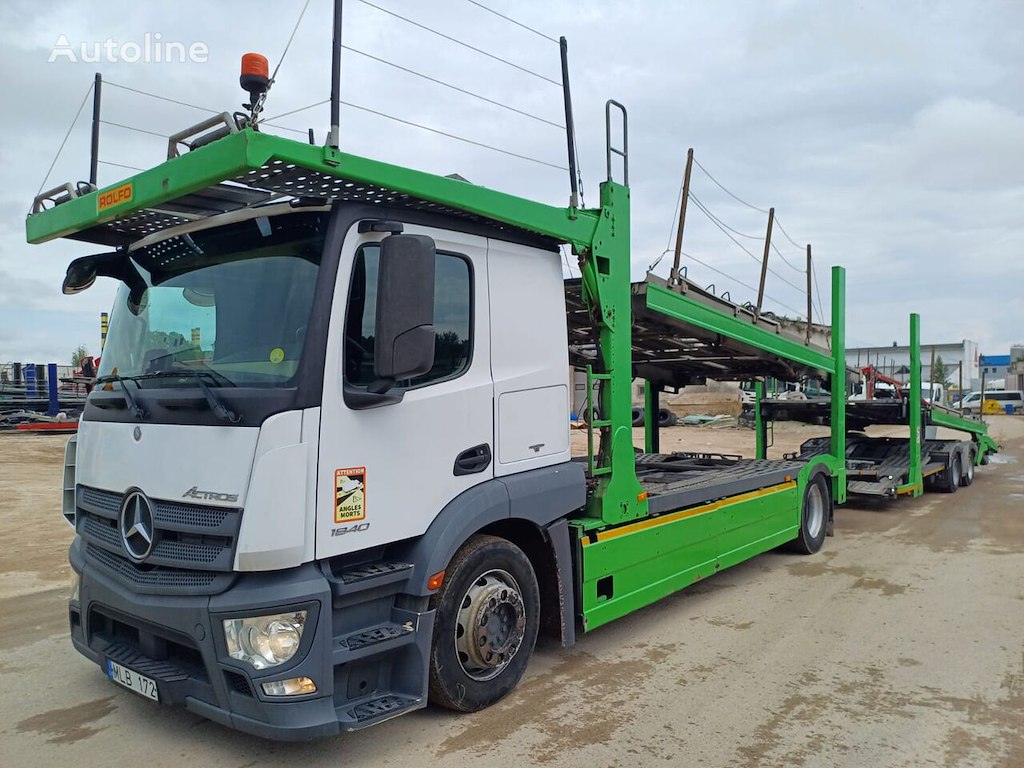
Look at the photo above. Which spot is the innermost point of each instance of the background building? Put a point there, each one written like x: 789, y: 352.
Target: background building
x: 960, y: 359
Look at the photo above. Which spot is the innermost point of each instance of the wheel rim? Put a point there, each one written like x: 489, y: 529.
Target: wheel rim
x: 815, y: 517
x: 490, y: 625
x: 970, y: 469
x: 956, y: 472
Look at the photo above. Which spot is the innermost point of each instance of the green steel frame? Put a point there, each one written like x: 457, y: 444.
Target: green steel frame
x: 976, y: 429
x: 648, y: 556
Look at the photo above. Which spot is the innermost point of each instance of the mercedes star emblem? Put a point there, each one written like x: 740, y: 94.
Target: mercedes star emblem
x: 137, y: 434
x: 136, y: 524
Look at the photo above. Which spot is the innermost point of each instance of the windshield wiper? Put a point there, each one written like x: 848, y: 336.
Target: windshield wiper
x: 137, y: 410
x: 220, y: 410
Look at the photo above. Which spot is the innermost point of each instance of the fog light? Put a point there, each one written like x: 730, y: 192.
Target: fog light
x: 295, y: 686
x: 265, y: 641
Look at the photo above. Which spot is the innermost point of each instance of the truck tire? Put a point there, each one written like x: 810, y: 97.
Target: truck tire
x: 485, y: 624
x: 638, y: 417
x: 815, y: 511
x: 666, y: 418
x: 968, y: 476
x: 950, y: 480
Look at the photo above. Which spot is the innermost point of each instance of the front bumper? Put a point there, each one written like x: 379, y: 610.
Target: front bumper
x: 177, y: 640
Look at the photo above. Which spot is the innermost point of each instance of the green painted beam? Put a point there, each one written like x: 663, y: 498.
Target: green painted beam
x: 652, y: 432
x: 689, y: 310
x: 760, y: 428
x: 607, y: 289
x: 837, y: 446
x: 193, y: 171
x: 246, y: 150
x: 915, y: 405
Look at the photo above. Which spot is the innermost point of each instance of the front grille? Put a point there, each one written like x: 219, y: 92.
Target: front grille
x: 171, y: 513
x: 192, y: 543
x: 158, y: 579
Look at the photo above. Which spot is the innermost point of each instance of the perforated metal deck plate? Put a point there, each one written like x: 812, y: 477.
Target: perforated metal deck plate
x: 276, y: 181
x: 673, y: 353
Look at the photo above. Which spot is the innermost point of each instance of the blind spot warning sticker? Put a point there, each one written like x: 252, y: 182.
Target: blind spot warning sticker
x: 349, y: 494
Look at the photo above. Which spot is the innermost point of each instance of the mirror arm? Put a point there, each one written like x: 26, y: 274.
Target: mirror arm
x: 381, y: 386
x: 359, y: 399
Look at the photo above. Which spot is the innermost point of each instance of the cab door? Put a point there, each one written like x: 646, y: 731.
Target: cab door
x: 385, y: 472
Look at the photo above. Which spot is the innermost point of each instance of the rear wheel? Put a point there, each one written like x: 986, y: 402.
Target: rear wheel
x: 485, y: 624
x: 951, y: 481
x: 814, y: 516
x: 968, y: 476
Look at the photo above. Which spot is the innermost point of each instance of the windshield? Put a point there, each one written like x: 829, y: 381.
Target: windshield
x: 231, y: 303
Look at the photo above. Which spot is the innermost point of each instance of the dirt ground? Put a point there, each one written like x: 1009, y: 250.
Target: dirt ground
x: 901, y: 644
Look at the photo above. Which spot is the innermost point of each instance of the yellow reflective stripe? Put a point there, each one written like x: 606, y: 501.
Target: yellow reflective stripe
x: 672, y: 517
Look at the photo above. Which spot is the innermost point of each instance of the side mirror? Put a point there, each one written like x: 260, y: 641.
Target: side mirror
x: 404, y: 343
x: 81, y: 274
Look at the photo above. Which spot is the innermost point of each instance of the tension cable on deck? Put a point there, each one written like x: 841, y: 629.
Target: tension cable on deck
x: 60, y: 149
x: 475, y: 95
x: 158, y: 96
x: 513, y: 21
x: 462, y: 43
x: 726, y: 231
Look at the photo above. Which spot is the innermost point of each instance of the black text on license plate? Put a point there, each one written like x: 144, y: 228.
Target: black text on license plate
x: 132, y: 680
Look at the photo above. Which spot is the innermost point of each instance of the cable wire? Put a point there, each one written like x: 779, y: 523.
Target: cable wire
x: 517, y: 23
x: 722, y: 187
x: 725, y: 231
x: 739, y: 282
x: 133, y: 128
x: 288, y: 45
x: 161, y: 98
x: 65, y: 140
x: 460, y: 42
x: 784, y: 232
x: 121, y: 165
x: 452, y: 135
x: 294, y: 112
x: 453, y: 87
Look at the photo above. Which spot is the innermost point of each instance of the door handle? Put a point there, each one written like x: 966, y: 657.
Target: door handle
x: 473, y: 460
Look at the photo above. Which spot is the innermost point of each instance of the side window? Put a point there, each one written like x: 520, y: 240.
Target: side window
x: 453, y: 301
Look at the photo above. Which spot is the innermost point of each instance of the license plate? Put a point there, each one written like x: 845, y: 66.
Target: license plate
x: 132, y: 680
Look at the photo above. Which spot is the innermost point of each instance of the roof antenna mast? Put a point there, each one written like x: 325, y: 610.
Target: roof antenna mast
x: 332, y: 137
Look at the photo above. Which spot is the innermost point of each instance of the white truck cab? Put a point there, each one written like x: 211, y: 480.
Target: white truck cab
x: 240, y: 373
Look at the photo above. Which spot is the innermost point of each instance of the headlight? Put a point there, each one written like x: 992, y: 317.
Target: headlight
x: 265, y: 641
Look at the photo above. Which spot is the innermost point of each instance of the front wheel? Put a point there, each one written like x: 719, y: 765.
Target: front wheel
x: 814, y: 515
x: 485, y: 624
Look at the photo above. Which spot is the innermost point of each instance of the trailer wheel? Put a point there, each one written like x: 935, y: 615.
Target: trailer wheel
x: 485, y: 624
x: 968, y: 476
x: 638, y: 417
x: 814, y: 516
x: 951, y: 477
x: 666, y: 418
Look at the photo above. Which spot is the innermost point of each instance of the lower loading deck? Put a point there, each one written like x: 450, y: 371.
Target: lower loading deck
x: 678, y: 480
x: 881, y: 466
x: 707, y: 513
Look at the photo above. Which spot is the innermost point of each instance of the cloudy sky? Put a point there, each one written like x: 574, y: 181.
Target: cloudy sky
x: 888, y: 135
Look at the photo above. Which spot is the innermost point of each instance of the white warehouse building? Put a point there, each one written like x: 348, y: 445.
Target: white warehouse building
x: 958, y: 358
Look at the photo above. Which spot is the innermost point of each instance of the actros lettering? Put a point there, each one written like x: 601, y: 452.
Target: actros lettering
x: 195, y: 493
